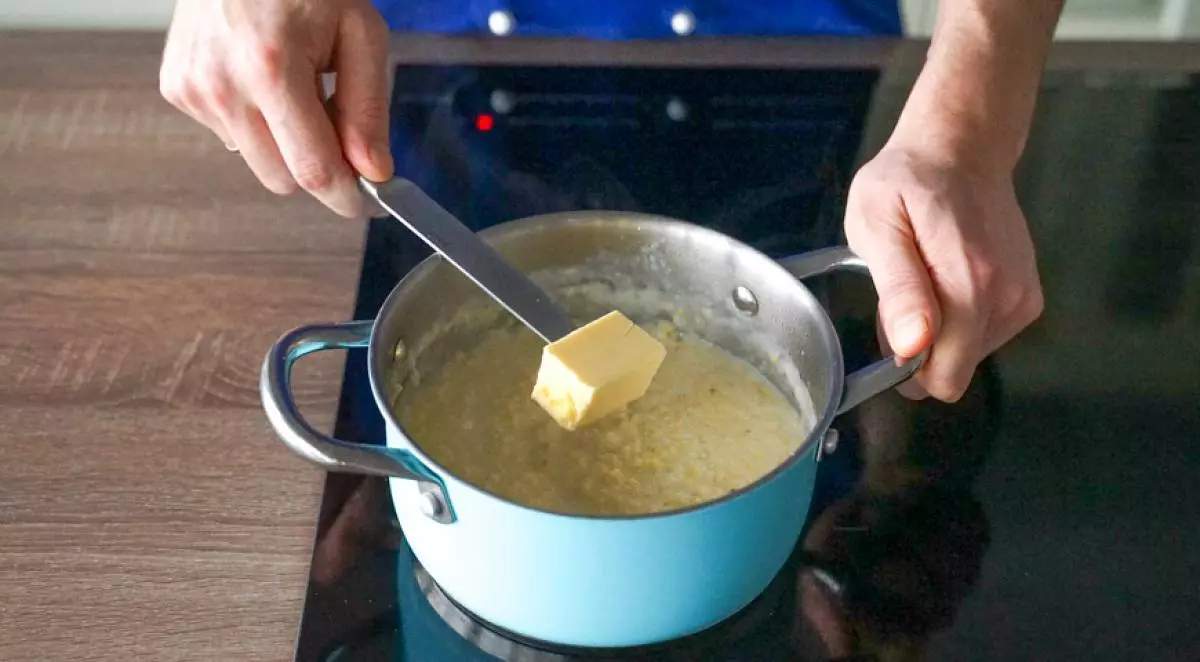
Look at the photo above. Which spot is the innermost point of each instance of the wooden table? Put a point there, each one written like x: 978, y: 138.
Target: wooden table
x: 147, y: 511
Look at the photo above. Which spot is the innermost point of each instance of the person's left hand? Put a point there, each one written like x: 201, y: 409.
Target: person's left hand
x: 950, y: 254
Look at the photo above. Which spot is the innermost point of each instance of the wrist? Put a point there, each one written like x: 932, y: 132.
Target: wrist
x: 974, y: 100
x: 951, y: 119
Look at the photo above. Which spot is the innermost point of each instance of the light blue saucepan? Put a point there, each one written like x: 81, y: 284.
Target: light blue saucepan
x: 591, y: 581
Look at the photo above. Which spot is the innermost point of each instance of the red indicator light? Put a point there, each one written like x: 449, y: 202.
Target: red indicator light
x: 485, y: 122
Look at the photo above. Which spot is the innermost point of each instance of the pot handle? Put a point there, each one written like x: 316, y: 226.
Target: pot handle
x: 275, y: 387
x: 868, y: 382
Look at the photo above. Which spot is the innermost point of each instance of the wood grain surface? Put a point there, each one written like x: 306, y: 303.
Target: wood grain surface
x: 147, y: 512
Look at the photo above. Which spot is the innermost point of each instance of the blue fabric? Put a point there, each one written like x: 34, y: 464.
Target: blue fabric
x: 648, y: 19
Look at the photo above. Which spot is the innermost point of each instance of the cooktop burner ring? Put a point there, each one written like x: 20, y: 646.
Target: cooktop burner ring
x: 510, y: 646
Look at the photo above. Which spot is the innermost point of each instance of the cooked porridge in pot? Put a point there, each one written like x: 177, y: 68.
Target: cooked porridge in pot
x: 709, y: 424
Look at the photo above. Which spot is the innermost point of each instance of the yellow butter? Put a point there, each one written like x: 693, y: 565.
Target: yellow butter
x: 596, y: 370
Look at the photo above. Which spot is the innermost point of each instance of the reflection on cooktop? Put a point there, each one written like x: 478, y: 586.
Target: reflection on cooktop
x: 509, y: 646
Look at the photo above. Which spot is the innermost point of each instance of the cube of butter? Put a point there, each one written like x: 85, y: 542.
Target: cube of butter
x: 596, y: 370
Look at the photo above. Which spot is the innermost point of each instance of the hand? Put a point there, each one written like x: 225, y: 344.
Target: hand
x: 951, y: 257
x: 250, y: 71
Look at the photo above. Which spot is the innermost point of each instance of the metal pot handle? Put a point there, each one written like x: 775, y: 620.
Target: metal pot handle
x: 865, y: 383
x: 275, y: 387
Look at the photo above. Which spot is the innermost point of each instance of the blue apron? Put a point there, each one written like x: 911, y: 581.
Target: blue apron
x: 647, y: 19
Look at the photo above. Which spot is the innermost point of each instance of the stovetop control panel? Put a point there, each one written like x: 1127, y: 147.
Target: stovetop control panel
x: 761, y: 155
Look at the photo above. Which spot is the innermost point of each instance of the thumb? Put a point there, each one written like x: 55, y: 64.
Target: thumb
x: 361, y: 100
x: 908, y: 307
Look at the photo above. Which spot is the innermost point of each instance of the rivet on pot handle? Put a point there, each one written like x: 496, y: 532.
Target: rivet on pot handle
x: 334, y: 454
x: 866, y: 383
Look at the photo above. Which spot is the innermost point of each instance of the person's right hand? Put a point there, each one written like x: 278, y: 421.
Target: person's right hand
x: 250, y: 71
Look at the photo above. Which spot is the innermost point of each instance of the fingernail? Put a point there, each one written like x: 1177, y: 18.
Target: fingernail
x: 908, y: 334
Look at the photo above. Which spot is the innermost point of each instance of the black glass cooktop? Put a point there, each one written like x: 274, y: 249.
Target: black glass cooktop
x: 1051, y: 514
x: 369, y: 600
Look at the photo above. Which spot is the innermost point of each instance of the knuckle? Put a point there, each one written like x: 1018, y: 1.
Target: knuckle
x: 1011, y: 299
x: 312, y: 175
x: 264, y: 62
x: 979, y: 286
x: 867, y: 177
x: 190, y: 95
x: 221, y: 99
x: 985, y: 277
x: 859, y: 193
x: 1020, y: 303
x: 214, y: 88
x: 177, y: 89
x: 865, y: 194
x: 169, y: 88
x: 873, y: 217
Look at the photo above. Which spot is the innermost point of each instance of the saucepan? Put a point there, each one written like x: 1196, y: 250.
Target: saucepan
x: 587, y: 580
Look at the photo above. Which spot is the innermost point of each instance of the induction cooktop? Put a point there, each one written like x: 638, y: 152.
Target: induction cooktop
x: 895, y: 536
x: 894, y: 540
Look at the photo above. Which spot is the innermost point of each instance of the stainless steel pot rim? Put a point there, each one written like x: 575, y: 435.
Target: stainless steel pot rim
x: 378, y: 357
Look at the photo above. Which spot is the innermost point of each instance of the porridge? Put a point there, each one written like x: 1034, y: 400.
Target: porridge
x: 709, y: 424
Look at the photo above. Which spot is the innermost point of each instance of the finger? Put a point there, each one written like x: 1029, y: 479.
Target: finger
x: 953, y: 358
x: 240, y: 126
x: 188, y: 96
x: 214, y: 124
x: 307, y: 141
x: 257, y: 146
x: 913, y: 390
x: 908, y: 307
x: 910, y: 388
x: 193, y: 107
x: 361, y: 99
x: 951, y: 363
x: 1025, y: 310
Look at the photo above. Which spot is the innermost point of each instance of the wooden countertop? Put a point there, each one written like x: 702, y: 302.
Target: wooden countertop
x: 147, y: 511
